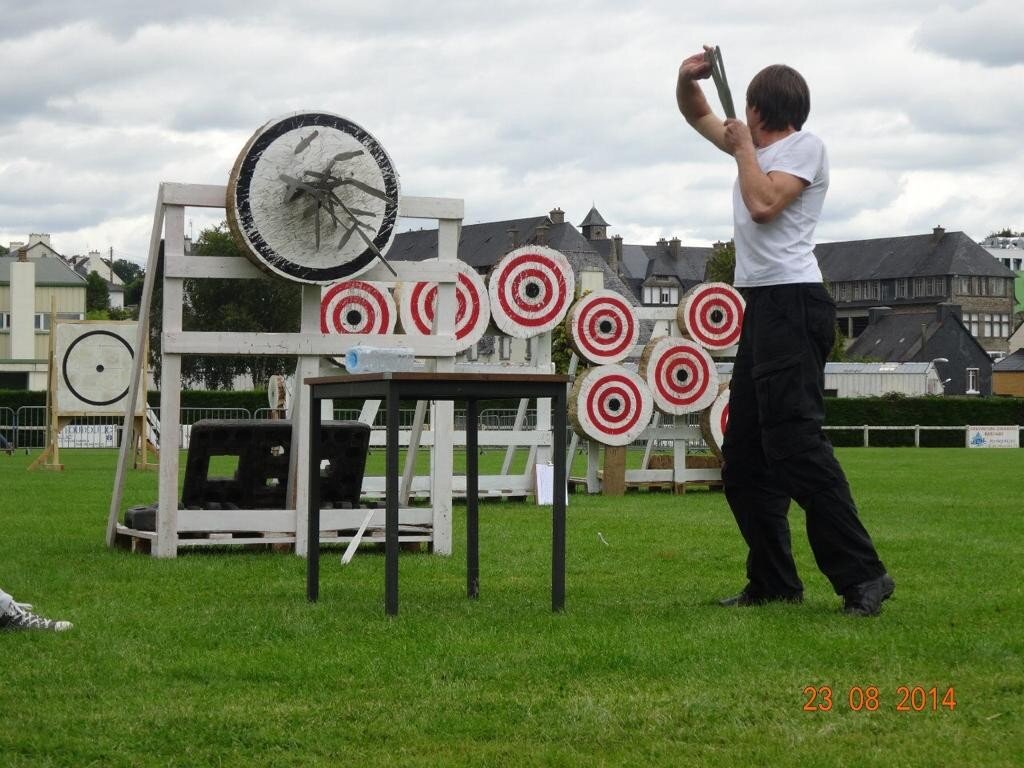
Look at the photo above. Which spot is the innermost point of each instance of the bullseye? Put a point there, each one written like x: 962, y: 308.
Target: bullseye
x: 417, y: 304
x: 603, y: 327
x: 530, y: 291
x: 681, y: 374
x: 357, y: 306
x: 712, y: 315
x: 611, y: 405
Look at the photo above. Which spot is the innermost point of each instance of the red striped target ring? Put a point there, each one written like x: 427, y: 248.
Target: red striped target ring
x: 611, y: 405
x: 712, y: 315
x: 531, y: 289
x: 714, y: 420
x: 357, y: 306
x: 603, y: 327
x: 681, y: 374
x: 417, y: 303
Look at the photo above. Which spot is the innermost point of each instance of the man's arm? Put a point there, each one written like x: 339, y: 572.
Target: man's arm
x: 765, y: 195
x: 692, y: 103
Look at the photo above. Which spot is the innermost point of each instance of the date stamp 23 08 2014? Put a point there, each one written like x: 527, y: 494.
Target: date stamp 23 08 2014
x: 869, y: 698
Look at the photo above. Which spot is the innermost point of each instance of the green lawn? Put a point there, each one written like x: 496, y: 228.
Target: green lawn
x: 217, y: 659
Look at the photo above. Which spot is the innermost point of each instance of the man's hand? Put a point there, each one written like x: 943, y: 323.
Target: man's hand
x: 695, y: 67
x: 737, y: 137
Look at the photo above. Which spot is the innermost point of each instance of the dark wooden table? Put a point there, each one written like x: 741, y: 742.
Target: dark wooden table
x: 392, y: 388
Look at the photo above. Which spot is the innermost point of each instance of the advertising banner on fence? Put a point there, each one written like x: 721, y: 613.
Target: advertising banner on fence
x: 993, y: 437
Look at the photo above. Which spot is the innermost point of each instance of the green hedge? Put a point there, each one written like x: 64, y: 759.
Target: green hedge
x: 250, y: 400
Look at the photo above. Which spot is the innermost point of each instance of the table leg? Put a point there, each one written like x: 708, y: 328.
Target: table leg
x: 472, y: 502
x: 559, y: 428
x: 313, y: 509
x: 391, y: 506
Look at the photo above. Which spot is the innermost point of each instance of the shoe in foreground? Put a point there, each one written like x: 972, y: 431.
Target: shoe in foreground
x: 18, y: 618
x: 866, y: 598
x: 746, y: 598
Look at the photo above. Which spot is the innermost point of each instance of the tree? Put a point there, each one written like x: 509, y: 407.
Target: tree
x: 127, y: 270
x: 97, y: 294
x: 721, y: 267
x: 265, y: 305
x: 4, y: 251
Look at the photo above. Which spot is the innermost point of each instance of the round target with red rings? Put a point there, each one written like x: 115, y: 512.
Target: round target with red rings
x: 417, y: 303
x: 531, y: 289
x: 357, y: 306
x: 715, y: 420
x: 611, y: 405
x: 712, y: 315
x: 681, y: 374
x: 603, y: 327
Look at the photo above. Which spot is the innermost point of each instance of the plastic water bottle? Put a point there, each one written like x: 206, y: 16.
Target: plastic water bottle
x: 361, y: 359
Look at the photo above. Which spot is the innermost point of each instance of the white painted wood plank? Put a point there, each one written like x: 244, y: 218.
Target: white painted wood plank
x: 208, y: 520
x: 215, y: 267
x: 195, y: 195
x: 413, y: 207
x: 310, y: 344
x: 490, y: 438
x: 298, y: 470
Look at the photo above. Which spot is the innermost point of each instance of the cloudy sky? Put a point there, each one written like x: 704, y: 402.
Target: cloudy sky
x: 514, y: 106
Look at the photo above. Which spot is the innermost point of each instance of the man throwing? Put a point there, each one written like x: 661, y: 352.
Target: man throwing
x: 774, y: 449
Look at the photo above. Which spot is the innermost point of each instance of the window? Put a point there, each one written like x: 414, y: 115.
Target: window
x: 972, y: 381
x: 844, y: 291
x: 1004, y: 326
x: 5, y: 321
x: 858, y: 291
x: 998, y: 286
x: 872, y: 288
x: 963, y: 285
x: 986, y: 325
x: 971, y: 321
x: 42, y: 319
x: 919, y: 286
x: 666, y: 296
x: 901, y: 288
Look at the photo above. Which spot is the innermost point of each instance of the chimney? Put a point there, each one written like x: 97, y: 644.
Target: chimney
x: 513, y: 237
x: 14, y: 245
x: 22, y: 254
x: 937, y: 233
x: 38, y: 237
x: 719, y: 245
x: 662, y: 242
x: 924, y: 335
x: 542, y: 234
x: 557, y: 215
x: 615, y: 255
x: 674, y: 246
x: 877, y: 313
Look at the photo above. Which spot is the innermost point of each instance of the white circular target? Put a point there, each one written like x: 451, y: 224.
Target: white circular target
x: 715, y: 420
x: 313, y: 197
x: 611, y: 405
x: 95, y: 363
x: 357, y: 306
x: 603, y: 327
x: 712, y: 315
x: 417, y: 303
x: 531, y: 289
x: 681, y: 374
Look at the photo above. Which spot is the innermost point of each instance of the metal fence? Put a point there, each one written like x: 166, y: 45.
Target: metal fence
x: 27, y: 427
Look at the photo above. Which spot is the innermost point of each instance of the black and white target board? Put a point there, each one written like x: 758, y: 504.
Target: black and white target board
x: 94, y: 367
x: 715, y: 420
x: 603, y: 327
x: 611, y: 405
x: 681, y: 374
x: 357, y: 306
x: 417, y: 303
x: 531, y: 290
x: 313, y: 197
x: 712, y: 315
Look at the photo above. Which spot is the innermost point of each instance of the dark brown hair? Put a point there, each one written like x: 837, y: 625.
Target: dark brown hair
x: 780, y: 96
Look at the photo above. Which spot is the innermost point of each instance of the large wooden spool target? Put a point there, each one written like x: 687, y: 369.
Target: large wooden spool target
x: 313, y: 197
x: 417, y: 303
x: 357, y: 306
x: 681, y: 374
x: 531, y: 289
x: 712, y: 315
x: 611, y: 405
x: 603, y: 327
x: 715, y: 420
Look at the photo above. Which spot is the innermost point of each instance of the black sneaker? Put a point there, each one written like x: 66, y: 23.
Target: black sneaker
x: 18, y: 618
x: 747, y: 598
x: 866, y: 598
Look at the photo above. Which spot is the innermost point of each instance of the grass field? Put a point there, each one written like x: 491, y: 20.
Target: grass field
x: 216, y: 658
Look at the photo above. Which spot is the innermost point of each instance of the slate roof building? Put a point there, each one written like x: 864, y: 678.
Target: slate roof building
x: 93, y: 262
x: 917, y: 273
x: 936, y: 335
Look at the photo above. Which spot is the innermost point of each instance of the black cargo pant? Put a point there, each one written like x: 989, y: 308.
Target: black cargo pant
x: 775, y: 451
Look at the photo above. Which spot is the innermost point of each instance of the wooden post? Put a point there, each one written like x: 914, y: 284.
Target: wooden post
x: 614, y: 481
x: 49, y: 459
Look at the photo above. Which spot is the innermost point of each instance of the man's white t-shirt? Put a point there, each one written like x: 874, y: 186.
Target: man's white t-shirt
x: 782, y: 250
